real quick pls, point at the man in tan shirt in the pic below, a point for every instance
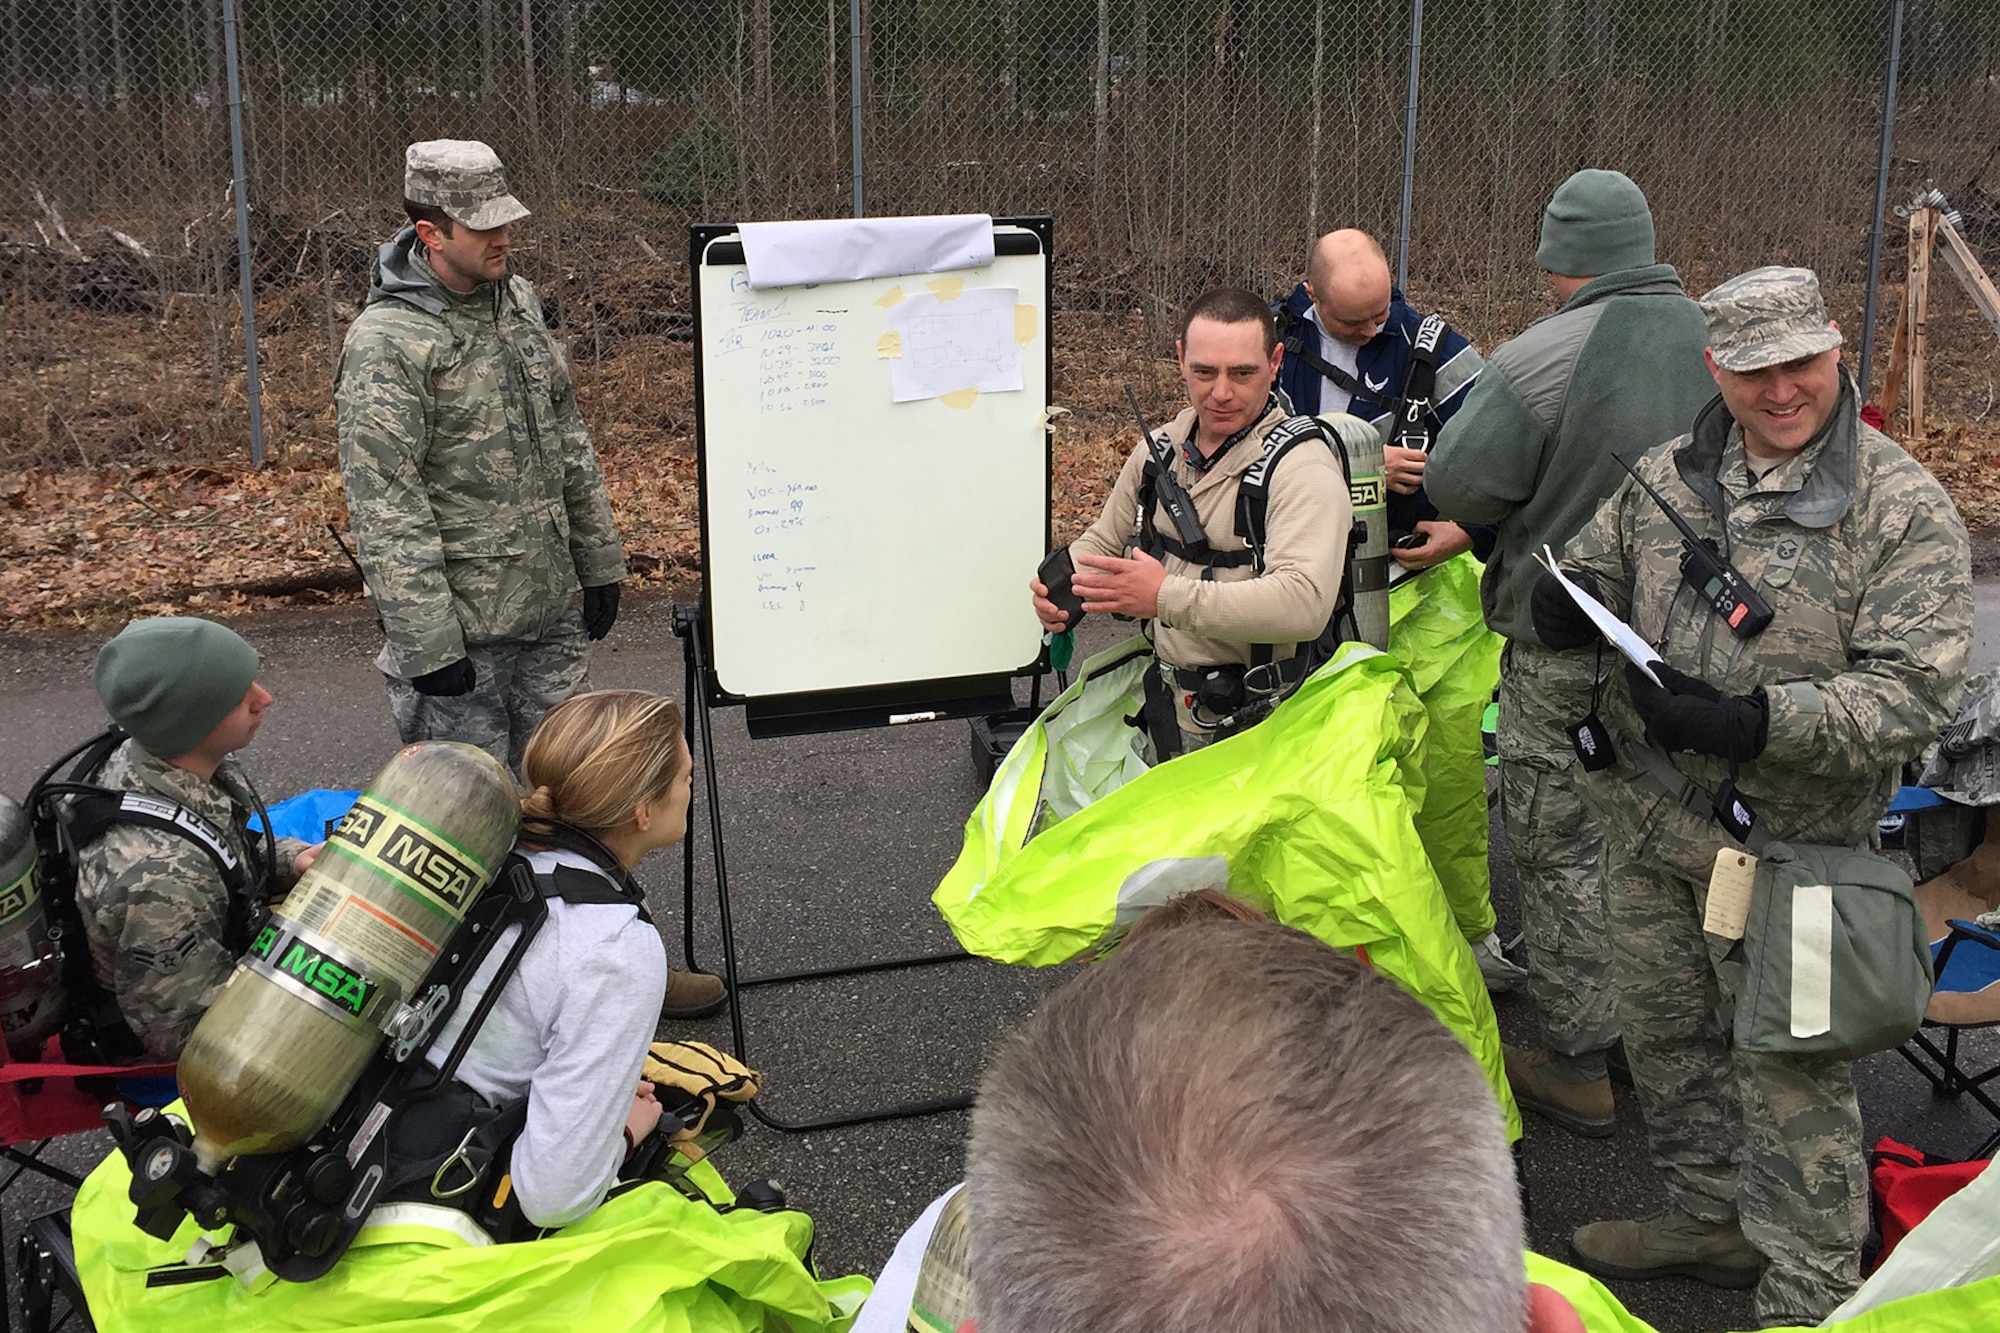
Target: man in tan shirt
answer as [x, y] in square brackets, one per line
[1218, 608]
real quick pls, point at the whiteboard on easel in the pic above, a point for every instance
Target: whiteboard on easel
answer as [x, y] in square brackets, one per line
[874, 470]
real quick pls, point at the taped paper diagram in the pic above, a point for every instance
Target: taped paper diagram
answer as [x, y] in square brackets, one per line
[950, 346]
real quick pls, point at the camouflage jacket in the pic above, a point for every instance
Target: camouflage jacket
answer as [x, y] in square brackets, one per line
[472, 487]
[153, 903]
[1868, 569]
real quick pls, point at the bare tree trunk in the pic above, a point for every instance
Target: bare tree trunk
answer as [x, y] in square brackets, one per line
[1100, 146]
[575, 83]
[1552, 60]
[121, 77]
[736, 118]
[489, 57]
[530, 98]
[1139, 133]
[760, 55]
[832, 97]
[1318, 99]
[17, 93]
[1010, 68]
[86, 74]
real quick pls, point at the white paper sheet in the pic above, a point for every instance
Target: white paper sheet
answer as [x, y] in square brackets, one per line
[782, 254]
[1623, 637]
[948, 346]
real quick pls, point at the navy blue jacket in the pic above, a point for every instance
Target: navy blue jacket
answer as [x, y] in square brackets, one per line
[1384, 360]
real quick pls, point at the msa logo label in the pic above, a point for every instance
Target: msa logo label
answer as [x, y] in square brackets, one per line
[401, 850]
[18, 896]
[288, 957]
[1366, 492]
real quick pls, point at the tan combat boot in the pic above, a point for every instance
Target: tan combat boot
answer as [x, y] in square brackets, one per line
[692, 994]
[1545, 1084]
[1668, 1244]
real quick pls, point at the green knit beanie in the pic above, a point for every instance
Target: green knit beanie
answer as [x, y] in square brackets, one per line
[1596, 223]
[168, 681]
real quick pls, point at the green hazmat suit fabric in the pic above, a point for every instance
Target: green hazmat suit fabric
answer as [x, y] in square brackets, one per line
[1438, 632]
[1951, 1310]
[647, 1259]
[1308, 814]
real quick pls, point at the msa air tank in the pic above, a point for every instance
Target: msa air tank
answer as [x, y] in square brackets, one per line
[31, 994]
[1368, 490]
[302, 1013]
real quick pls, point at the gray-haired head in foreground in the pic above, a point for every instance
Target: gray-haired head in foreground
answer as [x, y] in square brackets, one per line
[1231, 1126]
[1767, 317]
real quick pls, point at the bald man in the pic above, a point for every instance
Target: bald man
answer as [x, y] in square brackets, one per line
[1348, 334]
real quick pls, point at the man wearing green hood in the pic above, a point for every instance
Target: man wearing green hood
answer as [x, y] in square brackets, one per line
[1614, 371]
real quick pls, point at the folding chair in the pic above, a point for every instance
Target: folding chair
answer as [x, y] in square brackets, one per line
[40, 1101]
[1966, 996]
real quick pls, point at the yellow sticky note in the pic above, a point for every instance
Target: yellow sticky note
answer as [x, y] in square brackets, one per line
[1729, 892]
[894, 296]
[1026, 324]
[889, 344]
[959, 397]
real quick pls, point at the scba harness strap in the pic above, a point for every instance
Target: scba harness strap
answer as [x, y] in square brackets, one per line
[69, 815]
[1235, 695]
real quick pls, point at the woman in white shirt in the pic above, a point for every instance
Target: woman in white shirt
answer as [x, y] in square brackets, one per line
[572, 1025]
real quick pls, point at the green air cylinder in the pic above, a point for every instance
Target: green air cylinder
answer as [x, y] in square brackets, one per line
[31, 994]
[1367, 488]
[301, 1015]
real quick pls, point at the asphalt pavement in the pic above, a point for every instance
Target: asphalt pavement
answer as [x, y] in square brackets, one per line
[834, 843]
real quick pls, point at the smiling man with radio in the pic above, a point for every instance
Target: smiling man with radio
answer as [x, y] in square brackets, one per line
[1808, 588]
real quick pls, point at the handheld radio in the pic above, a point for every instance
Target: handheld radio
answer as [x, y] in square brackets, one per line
[1715, 579]
[1172, 496]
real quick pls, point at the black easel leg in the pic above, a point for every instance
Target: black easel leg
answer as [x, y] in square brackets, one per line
[687, 628]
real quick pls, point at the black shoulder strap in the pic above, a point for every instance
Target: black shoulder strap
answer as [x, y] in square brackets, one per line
[1415, 426]
[88, 810]
[1301, 340]
[573, 884]
[1253, 504]
[1253, 493]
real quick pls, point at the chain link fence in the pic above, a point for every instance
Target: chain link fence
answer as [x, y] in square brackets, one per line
[1179, 143]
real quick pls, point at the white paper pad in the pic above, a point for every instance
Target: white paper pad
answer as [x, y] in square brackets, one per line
[781, 254]
[948, 346]
[1623, 637]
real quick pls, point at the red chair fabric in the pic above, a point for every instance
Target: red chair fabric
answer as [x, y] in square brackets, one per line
[40, 1099]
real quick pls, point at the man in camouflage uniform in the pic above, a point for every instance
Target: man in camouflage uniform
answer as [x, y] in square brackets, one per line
[164, 934]
[471, 483]
[1867, 567]
[1613, 372]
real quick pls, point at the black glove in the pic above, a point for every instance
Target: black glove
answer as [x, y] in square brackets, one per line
[450, 679]
[600, 610]
[1558, 619]
[1691, 714]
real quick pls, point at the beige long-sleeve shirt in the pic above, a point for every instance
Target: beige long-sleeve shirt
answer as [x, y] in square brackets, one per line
[1208, 622]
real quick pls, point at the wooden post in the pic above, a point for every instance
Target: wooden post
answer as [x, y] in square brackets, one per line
[1917, 298]
[1892, 384]
[1963, 262]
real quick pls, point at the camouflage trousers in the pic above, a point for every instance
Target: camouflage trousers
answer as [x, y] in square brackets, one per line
[1772, 1139]
[1556, 839]
[518, 681]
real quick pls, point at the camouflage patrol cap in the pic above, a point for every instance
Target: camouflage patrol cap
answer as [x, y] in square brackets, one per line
[1767, 317]
[462, 177]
